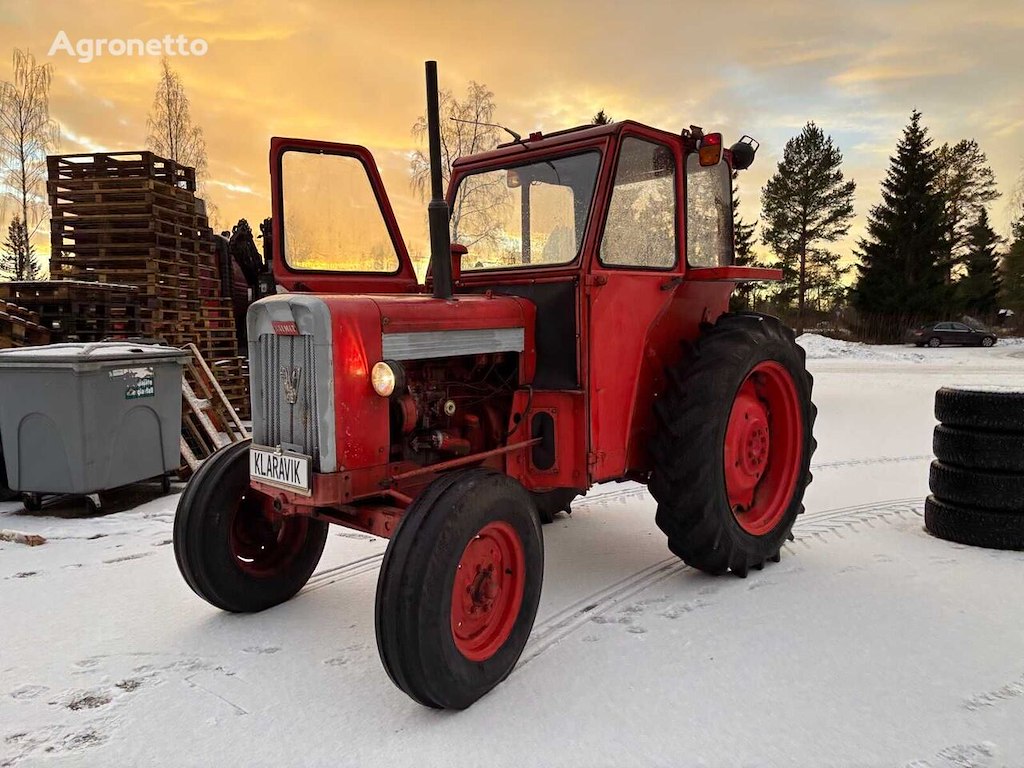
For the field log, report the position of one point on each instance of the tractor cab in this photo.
(582, 253)
(572, 329)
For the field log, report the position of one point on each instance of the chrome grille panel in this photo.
(278, 421)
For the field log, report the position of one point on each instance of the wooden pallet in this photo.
(233, 375)
(209, 422)
(77, 311)
(120, 165)
(19, 327)
(57, 291)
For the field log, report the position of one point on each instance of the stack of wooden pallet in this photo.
(73, 310)
(20, 327)
(133, 218)
(130, 219)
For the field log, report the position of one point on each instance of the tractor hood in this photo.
(324, 406)
(421, 327)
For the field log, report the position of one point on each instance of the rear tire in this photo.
(550, 503)
(232, 549)
(732, 453)
(459, 588)
(934, 342)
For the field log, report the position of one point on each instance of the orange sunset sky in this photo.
(353, 71)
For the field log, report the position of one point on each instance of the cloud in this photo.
(353, 72)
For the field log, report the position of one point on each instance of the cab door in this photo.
(334, 230)
(637, 263)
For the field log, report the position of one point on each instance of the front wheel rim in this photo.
(262, 542)
(487, 596)
(763, 448)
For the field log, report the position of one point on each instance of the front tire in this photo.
(233, 550)
(459, 588)
(734, 444)
(934, 342)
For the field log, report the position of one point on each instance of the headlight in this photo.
(387, 377)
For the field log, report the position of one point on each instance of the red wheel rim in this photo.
(488, 591)
(262, 541)
(763, 448)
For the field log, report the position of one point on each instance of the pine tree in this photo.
(966, 182)
(601, 118)
(743, 239)
(978, 289)
(902, 275)
(1012, 294)
(18, 259)
(807, 204)
(827, 280)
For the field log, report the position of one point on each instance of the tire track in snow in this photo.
(552, 630)
(564, 622)
(343, 572)
(638, 491)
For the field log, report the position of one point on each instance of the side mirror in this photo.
(458, 251)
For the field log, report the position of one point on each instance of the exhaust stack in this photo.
(437, 210)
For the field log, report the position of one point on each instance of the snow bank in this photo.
(824, 348)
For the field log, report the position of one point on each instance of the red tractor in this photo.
(573, 329)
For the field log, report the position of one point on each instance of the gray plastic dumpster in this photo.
(84, 418)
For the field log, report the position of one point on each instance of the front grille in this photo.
(277, 421)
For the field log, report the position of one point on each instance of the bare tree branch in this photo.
(172, 134)
(27, 135)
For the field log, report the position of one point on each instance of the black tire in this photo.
(999, 410)
(550, 503)
(988, 341)
(414, 624)
(975, 527)
(973, 449)
(689, 478)
(207, 510)
(1001, 491)
(33, 502)
(934, 341)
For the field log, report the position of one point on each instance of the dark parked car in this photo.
(937, 334)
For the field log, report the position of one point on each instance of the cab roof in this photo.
(581, 134)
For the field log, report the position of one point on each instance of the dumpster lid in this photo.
(100, 351)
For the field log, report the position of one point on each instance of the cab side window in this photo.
(709, 225)
(640, 230)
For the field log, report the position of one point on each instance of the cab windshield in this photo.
(525, 215)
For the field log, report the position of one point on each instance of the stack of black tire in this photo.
(977, 479)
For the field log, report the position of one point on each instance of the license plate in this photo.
(283, 469)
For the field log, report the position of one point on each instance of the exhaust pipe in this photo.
(437, 210)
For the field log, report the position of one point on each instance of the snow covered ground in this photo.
(870, 644)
